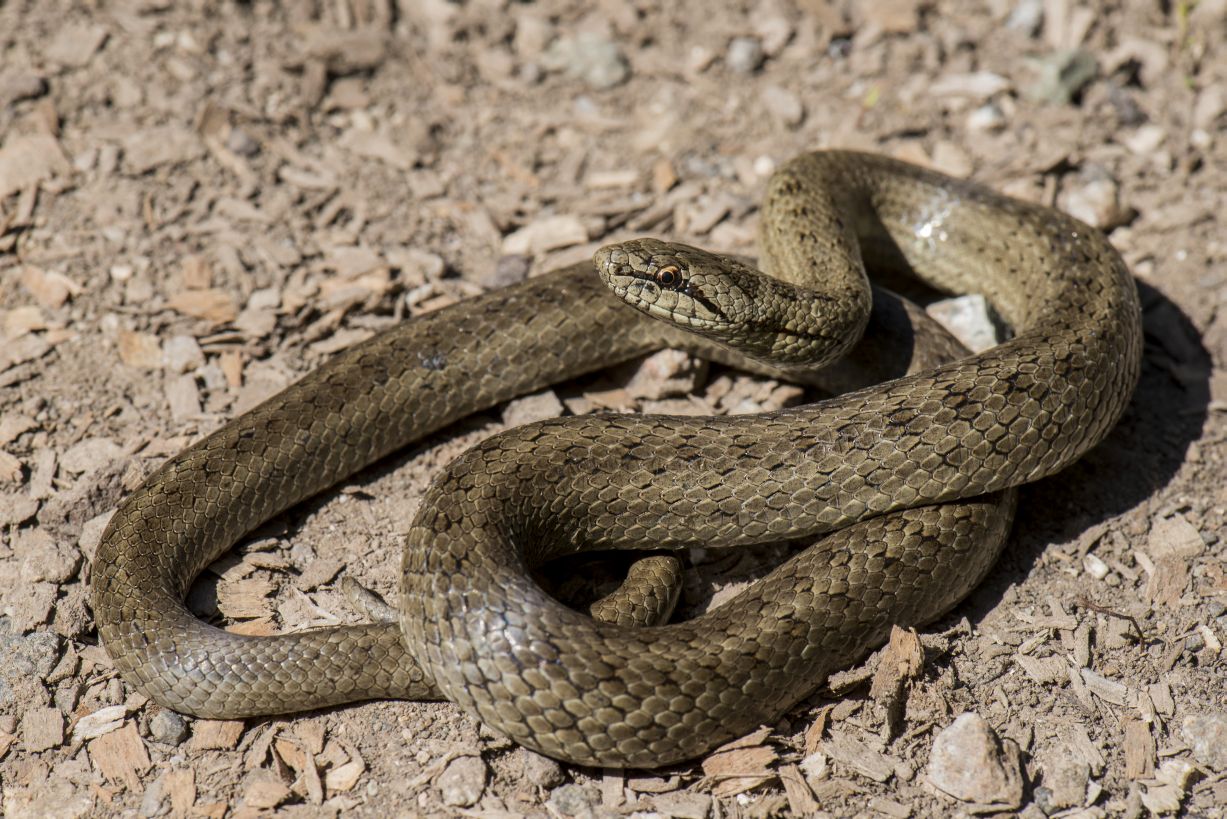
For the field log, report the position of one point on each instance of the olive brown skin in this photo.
(911, 476)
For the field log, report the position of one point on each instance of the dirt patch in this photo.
(200, 202)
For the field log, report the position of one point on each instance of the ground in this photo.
(200, 202)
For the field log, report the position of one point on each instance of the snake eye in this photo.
(669, 276)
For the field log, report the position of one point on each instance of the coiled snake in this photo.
(878, 466)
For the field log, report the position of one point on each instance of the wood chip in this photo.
(1174, 537)
(231, 363)
(380, 146)
(1166, 584)
(246, 599)
(545, 234)
(181, 787)
(183, 396)
(265, 790)
(741, 765)
(344, 777)
(1139, 750)
(664, 176)
(42, 729)
(195, 272)
(800, 798)
(318, 572)
(1045, 670)
(28, 159)
(120, 755)
(846, 749)
(303, 764)
(889, 807)
(902, 661)
(816, 729)
(311, 734)
(22, 320)
(140, 350)
(97, 723)
(50, 289)
(1107, 690)
(10, 468)
(149, 148)
(216, 306)
(215, 734)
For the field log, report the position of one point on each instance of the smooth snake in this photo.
(879, 467)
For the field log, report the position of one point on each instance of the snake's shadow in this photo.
(1141, 455)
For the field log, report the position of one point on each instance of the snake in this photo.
(901, 489)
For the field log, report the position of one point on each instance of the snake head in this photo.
(682, 285)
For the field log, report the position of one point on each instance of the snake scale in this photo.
(903, 473)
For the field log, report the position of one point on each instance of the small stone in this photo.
(978, 85)
(951, 160)
(1145, 140)
(75, 44)
(242, 143)
(591, 58)
(1206, 735)
(699, 59)
(775, 31)
(541, 770)
(416, 265)
(988, 117)
(968, 319)
(1027, 17)
(529, 408)
(1065, 779)
(16, 508)
(970, 763)
(462, 782)
(1095, 199)
(26, 661)
(182, 354)
(89, 455)
(347, 52)
(575, 800)
(154, 796)
(667, 374)
(1063, 75)
(508, 270)
(1209, 107)
(168, 728)
(784, 105)
(1095, 566)
(19, 84)
(745, 55)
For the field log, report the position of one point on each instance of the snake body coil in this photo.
(880, 465)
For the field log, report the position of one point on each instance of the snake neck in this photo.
(798, 328)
